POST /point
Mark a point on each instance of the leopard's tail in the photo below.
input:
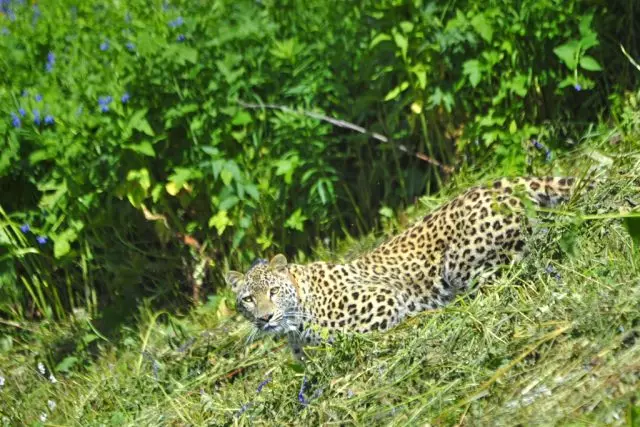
(546, 191)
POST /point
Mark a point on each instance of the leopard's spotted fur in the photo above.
(419, 269)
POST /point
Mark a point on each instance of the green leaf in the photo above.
(482, 27)
(220, 221)
(471, 69)
(228, 203)
(632, 224)
(379, 39)
(567, 53)
(143, 147)
(296, 220)
(66, 364)
(589, 63)
(241, 118)
(62, 242)
(393, 93)
(401, 42)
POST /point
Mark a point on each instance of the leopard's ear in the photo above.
(234, 279)
(278, 263)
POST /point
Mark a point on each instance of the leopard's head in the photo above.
(266, 295)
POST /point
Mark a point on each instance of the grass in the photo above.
(553, 342)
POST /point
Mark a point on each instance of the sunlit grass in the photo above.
(553, 342)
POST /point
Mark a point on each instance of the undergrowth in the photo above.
(553, 342)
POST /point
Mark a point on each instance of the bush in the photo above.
(126, 154)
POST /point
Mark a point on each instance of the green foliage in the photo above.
(123, 139)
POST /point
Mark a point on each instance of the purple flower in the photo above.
(577, 87)
(25, 228)
(15, 120)
(131, 46)
(36, 117)
(42, 240)
(104, 46)
(125, 98)
(176, 22)
(262, 384)
(181, 37)
(537, 144)
(104, 102)
(51, 60)
(22, 112)
(38, 97)
(49, 120)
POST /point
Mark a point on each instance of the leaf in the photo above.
(62, 242)
(393, 93)
(632, 224)
(66, 364)
(228, 203)
(589, 63)
(386, 212)
(220, 221)
(379, 39)
(401, 42)
(187, 54)
(482, 27)
(241, 118)
(471, 69)
(296, 220)
(567, 53)
(144, 147)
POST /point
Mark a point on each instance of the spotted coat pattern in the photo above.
(422, 268)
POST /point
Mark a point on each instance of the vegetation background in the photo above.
(148, 145)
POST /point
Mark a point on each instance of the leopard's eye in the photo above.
(247, 299)
(274, 291)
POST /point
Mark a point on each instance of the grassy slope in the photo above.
(537, 346)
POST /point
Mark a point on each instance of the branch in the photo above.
(347, 125)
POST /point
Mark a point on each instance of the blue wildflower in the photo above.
(25, 228)
(22, 112)
(176, 22)
(42, 240)
(79, 110)
(104, 46)
(301, 397)
(577, 87)
(125, 98)
(49, 120)
(38, 97)
(131, 46)
(181, 37)
(15, 120)
(262, 384)
(5, 31)
(51, 60)
(104, 102)
(547, 155)
(537, 144)
(36, 117)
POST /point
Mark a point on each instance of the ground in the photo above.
(553, 342)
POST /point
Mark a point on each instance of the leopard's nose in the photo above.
(266, 317)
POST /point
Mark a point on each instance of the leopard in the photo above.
(463, 242)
